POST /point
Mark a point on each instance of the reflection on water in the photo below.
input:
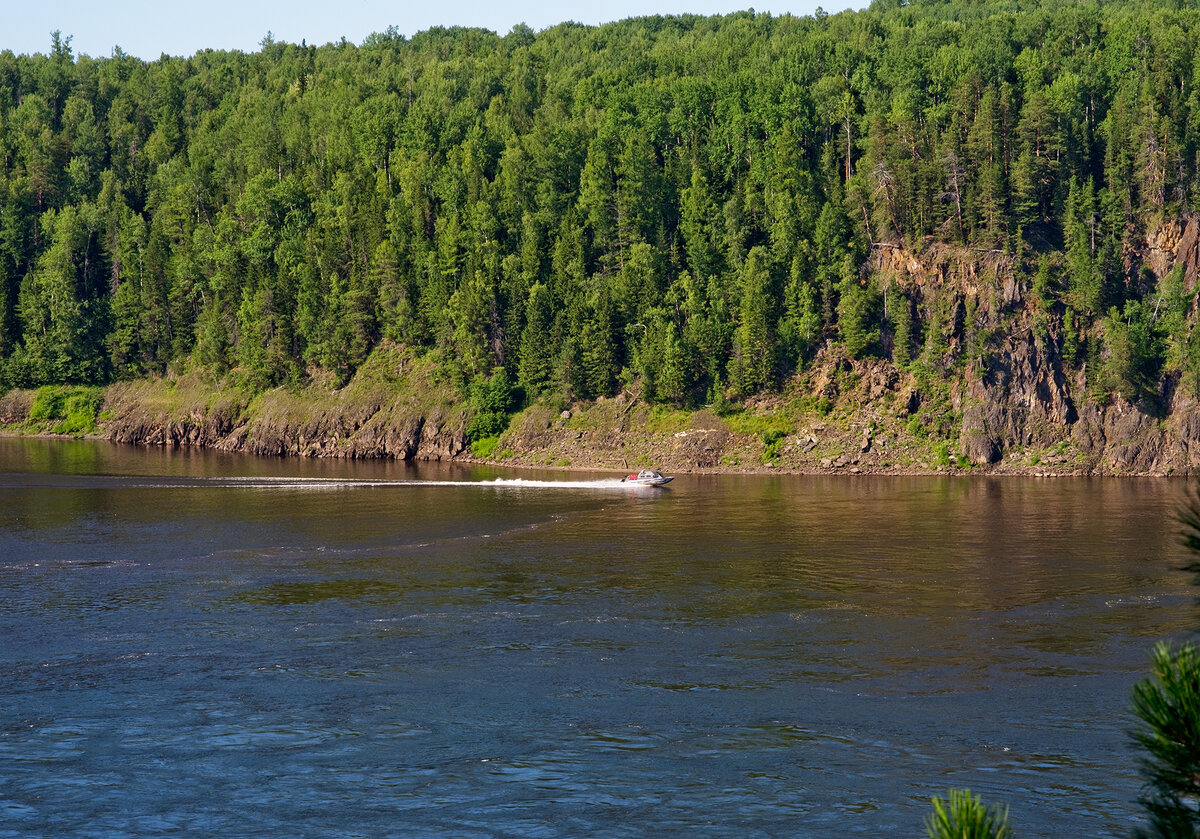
(202, 643)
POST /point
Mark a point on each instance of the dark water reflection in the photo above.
(197, 644)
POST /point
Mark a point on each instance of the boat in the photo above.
(647, 478)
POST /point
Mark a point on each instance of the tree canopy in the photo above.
(688, 202)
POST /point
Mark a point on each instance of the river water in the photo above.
(195, 644)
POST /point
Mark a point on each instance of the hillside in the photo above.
(968, 224)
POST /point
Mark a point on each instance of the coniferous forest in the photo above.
(688, 203)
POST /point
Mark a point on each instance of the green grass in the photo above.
(760, 425)
(665, 420)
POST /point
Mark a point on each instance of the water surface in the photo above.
(196, 644)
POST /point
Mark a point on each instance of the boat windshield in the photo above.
(648, 473)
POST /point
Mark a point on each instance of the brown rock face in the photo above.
(1016, 389)
(1187, 252)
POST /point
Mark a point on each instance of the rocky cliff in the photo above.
(1016, 392)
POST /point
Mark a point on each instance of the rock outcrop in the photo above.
(1015, 391)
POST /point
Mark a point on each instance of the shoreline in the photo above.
(801, 470)
(396, 408)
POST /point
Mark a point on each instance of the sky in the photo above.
(149, 28)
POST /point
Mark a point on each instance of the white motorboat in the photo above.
(647, 478)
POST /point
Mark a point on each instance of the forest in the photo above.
(685, 205)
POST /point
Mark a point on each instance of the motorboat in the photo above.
(647, 478)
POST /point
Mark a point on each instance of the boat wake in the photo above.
(354, 483)
(312, 484)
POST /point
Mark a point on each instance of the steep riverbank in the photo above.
(845, 416)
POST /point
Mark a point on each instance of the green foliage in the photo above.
(484, 447)
(495, 394)
(66, 410)
(964, 816)
(493, 399)
(773, 426)
(1070, 342)
(942, 453)
(1168, 706)
(490, 424)
(773, 440)
(1180, 340)
(1044, 290)
(752, 363)
(1085, 277)
(1189, 517)
(858, 314)
(664, 420)
(689, 199)
(536, 369)
(1132, 360)
(900, 314)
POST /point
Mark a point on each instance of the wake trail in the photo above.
(607, 484)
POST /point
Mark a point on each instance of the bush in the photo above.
(963, 816)
(493, 400)
(486, 425)
(47, 403)
(484, 447)
(942, 453)
(773, 439)
(68, 410)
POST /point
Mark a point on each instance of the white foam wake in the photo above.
(351, 483)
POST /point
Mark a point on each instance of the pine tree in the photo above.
(59, 339)
(858, 314)
(754, 349)
(535, 369)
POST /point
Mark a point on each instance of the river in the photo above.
(197, 644)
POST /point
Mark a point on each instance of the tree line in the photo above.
(683, 202)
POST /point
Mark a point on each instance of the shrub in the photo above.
(80, 411)
(484, 447)
(490, 424)
(493, 400)
(68, 410)
(772, 444)
(942, 452)
(47, 403)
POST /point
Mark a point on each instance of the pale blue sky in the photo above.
(148, 28)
